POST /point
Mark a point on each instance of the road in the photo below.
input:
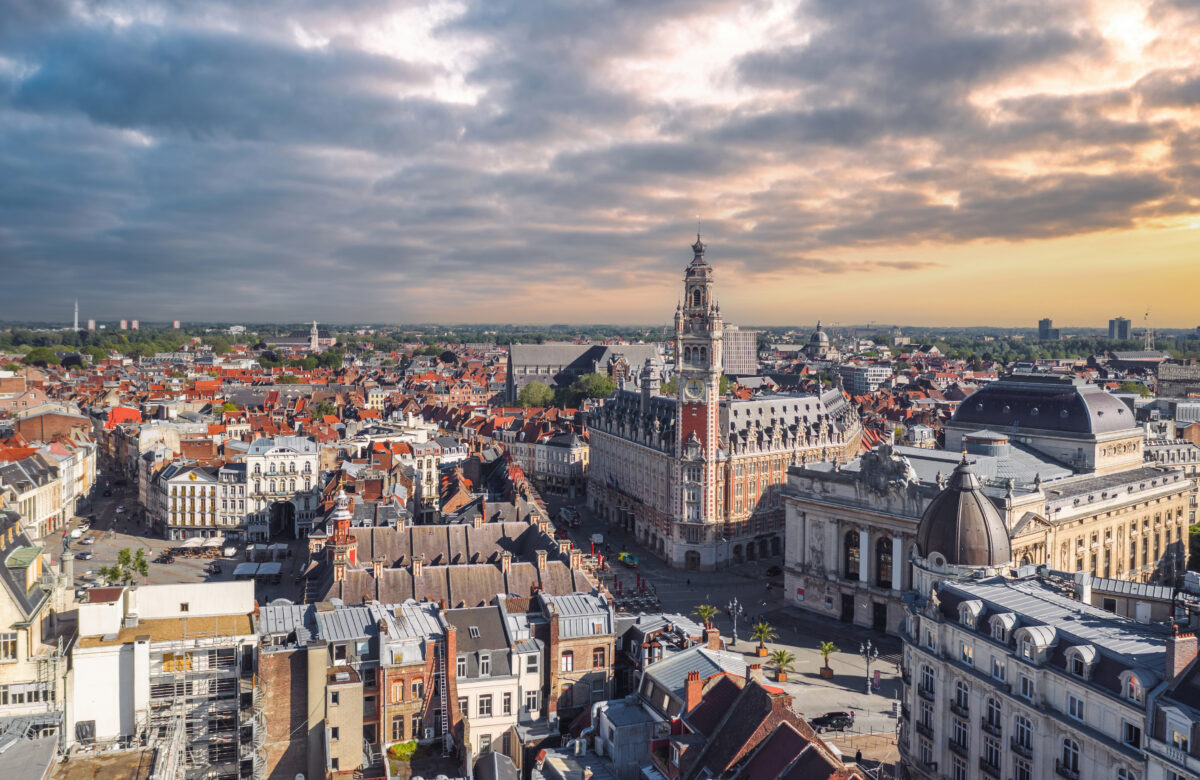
(799, 632)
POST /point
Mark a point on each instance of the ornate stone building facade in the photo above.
(851, 529)
(698, 477)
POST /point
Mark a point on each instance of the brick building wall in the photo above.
(282, 675)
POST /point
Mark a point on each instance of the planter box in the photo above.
(781, 677)
(762, 652)
(826, 672)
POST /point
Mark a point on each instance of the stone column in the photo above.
(897, 563)
(864, 554)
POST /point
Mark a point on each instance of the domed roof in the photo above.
(1050, 403)
(963, 524)
(819, 336)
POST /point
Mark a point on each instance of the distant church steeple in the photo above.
(314, 343)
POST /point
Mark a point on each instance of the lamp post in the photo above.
(735, 610)
(869, 653)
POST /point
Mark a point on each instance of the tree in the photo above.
(1135, 387)
(723, 386)
(73, 361)
(706, 612)
(535, 394)
(229, 406)
(40, 356)
(594, 386)
(12, 367)
(287, 379)
(827, 649)
(763, 633)
(323, 408)
(783, 661)
(669, 387)
(129, 564)
(330, 359)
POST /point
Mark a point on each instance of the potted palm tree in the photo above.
(705, 612)
(827, 649)
(763, 633)
(783, 661)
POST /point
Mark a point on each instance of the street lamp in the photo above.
(869, 653)
(735, 610)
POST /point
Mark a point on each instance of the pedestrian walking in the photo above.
(858, 756)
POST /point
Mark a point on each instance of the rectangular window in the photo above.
(958, 769)
(485, 743)
(8, 646)
(398, 728)
(1180, 740)
(1026, 688)
(485, 706)
(335, 697)
(1131, 734)
(967, 653)
(333, 734)
(999, 671)
(506, 704)
(568, 662)
(416, 726)
(1075, 706)
(598, 658)
(532, 701)
(531, 664)
(1022, 770)
(461, 669)
(485, 666)
(418, 689)
(462, 704)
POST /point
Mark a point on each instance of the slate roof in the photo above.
(29, 601)
(1045, 402)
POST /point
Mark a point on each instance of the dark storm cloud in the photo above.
(241, 160)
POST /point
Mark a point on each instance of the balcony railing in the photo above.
(959, 710)
(1065, 771)
(925, 693)
(992, 770)
(958, 748)
(924, 729)
(990, 727)
(1025, 751)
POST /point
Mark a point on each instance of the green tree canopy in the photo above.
(287, 379)
(535, 394)
(40, 356)
(331, 359)
(1135, 387)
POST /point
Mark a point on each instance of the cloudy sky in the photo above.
(911, 161)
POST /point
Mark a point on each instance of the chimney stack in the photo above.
(541, 560)
(418, 562)
(576, 559)
(377, 567)
(505, 561)
(754, 672)
(693, 691)
(713, 638)
(1181, 651)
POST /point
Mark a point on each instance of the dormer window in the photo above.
(1080, 660)
(968, 613)
(1133, 689)
(485, 665)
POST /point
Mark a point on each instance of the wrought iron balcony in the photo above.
(1065, 771)
(959, 710)
(958, 748)
(925, 693)
(924, 729)
(1025, 751)
(992, 770)
(991, 728)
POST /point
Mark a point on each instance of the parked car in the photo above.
(832, 721)
(88, 540)
(628, 559)
(76, 533)
(86, 555)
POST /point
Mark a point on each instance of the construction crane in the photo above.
(1148, 332)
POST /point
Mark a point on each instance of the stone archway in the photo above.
(764, 548)
(776, 546)
(691, 560)
(750, 556)
(737, 553)
(283, 517)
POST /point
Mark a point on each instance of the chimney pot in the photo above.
(1181, 652)
(713, 638)
(754, 672)
(541, 559)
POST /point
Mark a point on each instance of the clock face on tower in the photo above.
(694, 389)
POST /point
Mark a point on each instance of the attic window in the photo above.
(473, 631)
(183, 607)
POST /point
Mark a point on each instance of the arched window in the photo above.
(271, 485)
(703, 354)
(962, 694)
(687, 354)
(883, 562)
(927, 678)
(1070, 755)
(1126, 774)
(292, 467)
(1133, 689)
(1024, 732)
(696, 297)
(308, 468)
(850, 570)
(993, 712)
(291, 486)
(257, 468)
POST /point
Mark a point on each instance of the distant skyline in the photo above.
(917, 162)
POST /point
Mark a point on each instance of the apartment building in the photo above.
(282, 486)
(171, 666)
